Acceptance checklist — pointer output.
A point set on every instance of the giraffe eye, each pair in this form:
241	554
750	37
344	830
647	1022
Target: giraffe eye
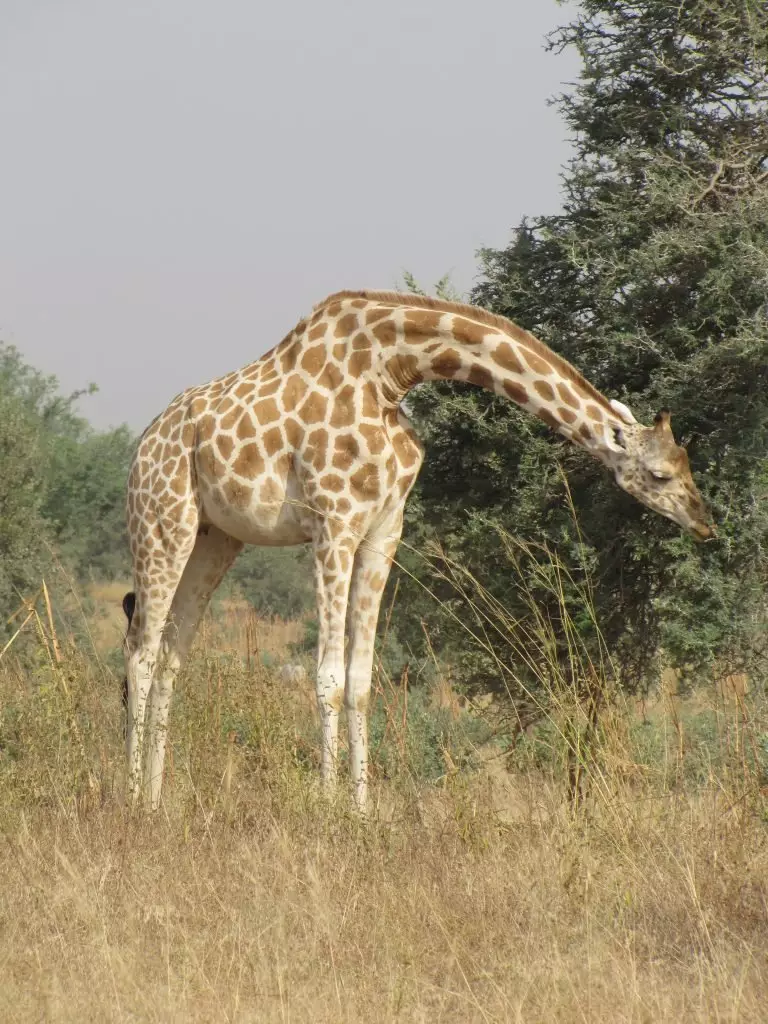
660	476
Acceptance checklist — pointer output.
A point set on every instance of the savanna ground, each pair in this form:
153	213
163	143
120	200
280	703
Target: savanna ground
478	892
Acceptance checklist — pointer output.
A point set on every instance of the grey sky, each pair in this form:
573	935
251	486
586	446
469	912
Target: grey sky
181	180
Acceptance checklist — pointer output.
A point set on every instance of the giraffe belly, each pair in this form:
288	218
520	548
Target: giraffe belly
271	515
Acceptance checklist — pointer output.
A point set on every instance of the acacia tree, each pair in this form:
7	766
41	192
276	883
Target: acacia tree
653	280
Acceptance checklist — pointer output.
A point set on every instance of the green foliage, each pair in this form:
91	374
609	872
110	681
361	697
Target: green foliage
276	581
426	742
22	558
85	500
653	281
62	485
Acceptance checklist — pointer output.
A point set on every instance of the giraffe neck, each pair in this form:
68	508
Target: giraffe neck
433	340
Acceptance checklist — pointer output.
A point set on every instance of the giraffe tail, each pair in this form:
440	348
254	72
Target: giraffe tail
129	607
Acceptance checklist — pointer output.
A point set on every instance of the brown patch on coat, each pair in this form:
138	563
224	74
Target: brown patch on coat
246	427
332	482
406	449
375	437
347	451
266	411
545	390
447	364
313	409
504	354
269	389
180	482
331	377
206	428
317	445
294	391
225	444
272	440
364	484
481	377
536	362
237	493
207	460
313	360
516	392
359	363
546	416
471	332
249	463
293	433
346	325
386	332
421	324
228	421
289	357
374	315
568	396
343	412
371	408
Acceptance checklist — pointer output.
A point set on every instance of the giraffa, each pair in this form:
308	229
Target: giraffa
309	444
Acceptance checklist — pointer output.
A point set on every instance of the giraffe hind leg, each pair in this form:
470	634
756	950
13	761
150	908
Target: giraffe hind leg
213	554
156	577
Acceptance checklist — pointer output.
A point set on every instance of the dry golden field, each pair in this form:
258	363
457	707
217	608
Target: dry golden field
477	895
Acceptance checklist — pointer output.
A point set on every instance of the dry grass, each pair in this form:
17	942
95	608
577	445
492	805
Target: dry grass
251	898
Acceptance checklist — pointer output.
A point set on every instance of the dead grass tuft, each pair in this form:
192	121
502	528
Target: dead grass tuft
483	897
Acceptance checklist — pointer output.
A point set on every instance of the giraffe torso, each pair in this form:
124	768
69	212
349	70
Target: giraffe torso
262	451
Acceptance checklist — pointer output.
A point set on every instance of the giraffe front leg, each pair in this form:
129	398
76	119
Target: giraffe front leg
333	570
372	564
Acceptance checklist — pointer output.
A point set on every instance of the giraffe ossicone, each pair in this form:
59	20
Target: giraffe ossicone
309	444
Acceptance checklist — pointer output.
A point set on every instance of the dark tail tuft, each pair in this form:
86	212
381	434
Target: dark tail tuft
129	607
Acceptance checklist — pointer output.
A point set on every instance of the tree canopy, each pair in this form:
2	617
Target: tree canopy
653	280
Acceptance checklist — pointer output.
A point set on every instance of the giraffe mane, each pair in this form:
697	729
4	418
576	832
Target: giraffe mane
483	316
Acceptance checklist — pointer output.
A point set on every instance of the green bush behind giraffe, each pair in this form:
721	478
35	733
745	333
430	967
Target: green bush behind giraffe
654	281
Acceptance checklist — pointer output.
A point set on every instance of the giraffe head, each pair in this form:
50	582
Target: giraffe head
653	468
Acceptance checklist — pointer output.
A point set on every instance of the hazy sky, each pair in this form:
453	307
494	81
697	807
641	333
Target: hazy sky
181	180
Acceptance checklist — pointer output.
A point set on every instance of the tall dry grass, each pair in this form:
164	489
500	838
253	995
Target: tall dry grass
485	896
